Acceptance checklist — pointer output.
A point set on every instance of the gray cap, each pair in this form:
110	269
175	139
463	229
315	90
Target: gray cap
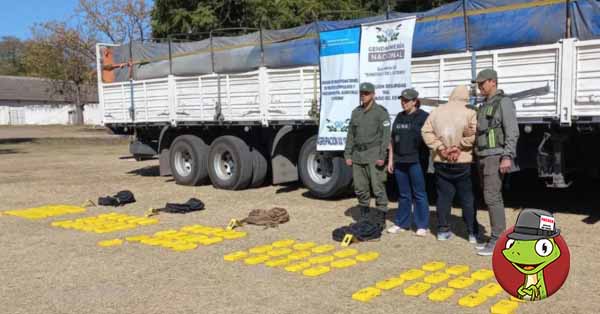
534	224
367	87
487	74
409	94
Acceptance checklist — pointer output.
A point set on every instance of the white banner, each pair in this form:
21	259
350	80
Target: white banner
339	86
385	57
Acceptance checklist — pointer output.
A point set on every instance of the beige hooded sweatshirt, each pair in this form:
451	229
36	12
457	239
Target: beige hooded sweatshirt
452	124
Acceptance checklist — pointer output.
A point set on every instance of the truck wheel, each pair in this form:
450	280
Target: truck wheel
230	163
187	160
324	174
259	169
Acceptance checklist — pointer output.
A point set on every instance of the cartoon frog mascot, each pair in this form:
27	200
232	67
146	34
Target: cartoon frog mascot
530	248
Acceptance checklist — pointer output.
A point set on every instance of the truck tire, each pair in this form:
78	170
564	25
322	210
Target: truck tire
187	160
259	169
230	163
324	174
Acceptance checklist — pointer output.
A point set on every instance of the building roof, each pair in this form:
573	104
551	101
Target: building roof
21	88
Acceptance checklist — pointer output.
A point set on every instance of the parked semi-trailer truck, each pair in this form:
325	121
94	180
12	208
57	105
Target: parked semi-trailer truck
242	111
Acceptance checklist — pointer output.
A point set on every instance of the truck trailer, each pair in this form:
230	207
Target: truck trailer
242	111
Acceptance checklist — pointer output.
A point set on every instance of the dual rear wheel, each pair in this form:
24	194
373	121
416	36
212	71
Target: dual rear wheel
231	164
228	162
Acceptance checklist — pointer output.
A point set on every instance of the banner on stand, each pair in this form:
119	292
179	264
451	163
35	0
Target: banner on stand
385	60
339	86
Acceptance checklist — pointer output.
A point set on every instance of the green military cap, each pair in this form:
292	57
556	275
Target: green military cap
487	74
409	94
367	87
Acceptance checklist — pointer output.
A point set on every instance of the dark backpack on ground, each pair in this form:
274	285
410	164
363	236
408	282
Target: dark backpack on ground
361	231
366	230
119	199
193	204
339	233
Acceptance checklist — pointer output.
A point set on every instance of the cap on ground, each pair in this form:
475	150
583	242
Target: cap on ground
409	94
534	224
367	87
487	74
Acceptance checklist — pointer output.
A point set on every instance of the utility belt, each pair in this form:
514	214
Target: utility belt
365	146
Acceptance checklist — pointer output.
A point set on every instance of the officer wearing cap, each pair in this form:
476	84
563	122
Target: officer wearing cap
496	149
366	144
407	161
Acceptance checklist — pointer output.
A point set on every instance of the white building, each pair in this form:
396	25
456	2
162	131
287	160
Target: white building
29	100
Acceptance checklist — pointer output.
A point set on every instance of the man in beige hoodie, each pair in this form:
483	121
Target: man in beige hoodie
449	132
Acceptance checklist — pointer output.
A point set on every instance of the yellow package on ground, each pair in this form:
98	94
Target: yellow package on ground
232	257
260	249
367	257
283	243
323	248
297	266
461	282
304	246
165	233
210	241
390	283
343	263
504	307
416	289
457	269
482	274
345	253
441	294
321	259
436	277
316	271
299	255
113	242
366	294
233	235
191	228
278	262
45	211
137	238
105	223
490	290
433	266
152	241
182	247
279	252
412	274
472	299
257	259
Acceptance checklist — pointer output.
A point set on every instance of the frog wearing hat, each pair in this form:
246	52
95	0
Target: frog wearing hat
530	248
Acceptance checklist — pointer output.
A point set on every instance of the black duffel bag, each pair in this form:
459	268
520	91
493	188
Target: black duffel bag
366	230
193	204
119	199
361	231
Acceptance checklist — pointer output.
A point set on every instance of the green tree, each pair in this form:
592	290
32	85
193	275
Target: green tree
11	56
196	16
65	56
200	16
117	21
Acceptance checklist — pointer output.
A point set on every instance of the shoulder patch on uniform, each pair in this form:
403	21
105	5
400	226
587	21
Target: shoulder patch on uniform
386	123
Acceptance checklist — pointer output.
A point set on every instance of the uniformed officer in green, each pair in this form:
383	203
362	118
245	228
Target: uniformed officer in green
366	144
496	149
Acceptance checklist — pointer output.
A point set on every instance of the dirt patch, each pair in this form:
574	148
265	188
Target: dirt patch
51	270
